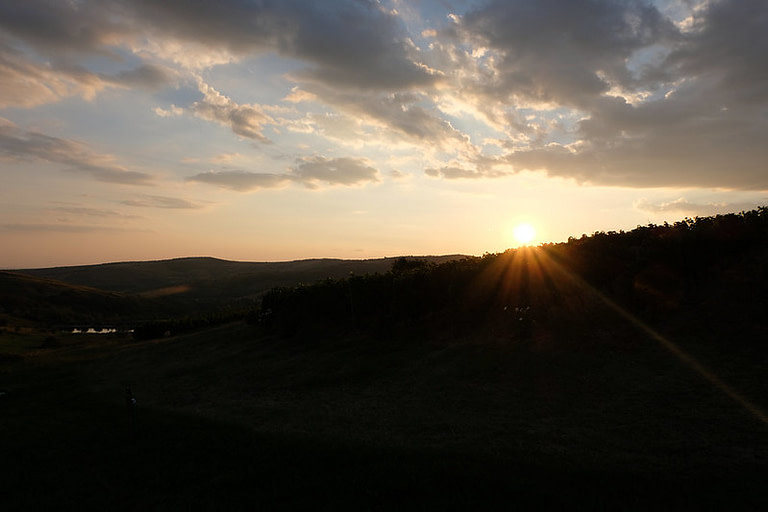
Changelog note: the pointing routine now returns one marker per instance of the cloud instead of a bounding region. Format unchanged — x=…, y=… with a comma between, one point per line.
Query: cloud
x=147, y=76
x=334, y=171
x=684, y=206
x=173, y=111
x=241, y=181
x=555, y=51
x=153, y=201
x=61, y=228
x=85, y=211
x=400, y=117
x=310, y=171
x=456, y=172
x=27, y=82
x=654, y=105
x=724, y=151
x=356, y=45
x=224, y=158
x=602, y=91
x=244, y=120
x=24, y=83
x=346, y=44
x=19, y=145
x=727, y=44
x=63, y=29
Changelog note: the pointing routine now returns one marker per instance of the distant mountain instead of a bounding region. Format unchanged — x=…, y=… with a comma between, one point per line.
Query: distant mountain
x=205, y=280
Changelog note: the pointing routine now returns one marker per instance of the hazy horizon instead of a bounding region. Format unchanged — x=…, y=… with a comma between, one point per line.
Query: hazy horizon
x=139, y=131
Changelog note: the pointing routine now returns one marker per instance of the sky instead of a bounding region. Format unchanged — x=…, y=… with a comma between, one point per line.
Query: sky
x=281, y=130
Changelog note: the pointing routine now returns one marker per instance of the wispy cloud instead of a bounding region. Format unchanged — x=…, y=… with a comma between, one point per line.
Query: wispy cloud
x=241, y=181
x=153, y=201
x=313, y=172
x=683, y=206
x=17, y=145
x=85, y=211
x=244, y=120
x=64, y=228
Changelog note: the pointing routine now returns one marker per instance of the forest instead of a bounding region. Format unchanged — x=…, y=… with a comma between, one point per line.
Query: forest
x=677, y=275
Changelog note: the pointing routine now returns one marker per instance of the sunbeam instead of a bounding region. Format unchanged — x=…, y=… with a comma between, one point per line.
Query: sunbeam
x=547, y=263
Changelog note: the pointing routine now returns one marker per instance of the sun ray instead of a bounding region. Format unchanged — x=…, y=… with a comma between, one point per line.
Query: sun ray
x=548, y=262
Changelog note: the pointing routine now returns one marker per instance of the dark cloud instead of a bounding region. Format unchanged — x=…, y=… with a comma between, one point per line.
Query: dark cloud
x=728, y=45
x=19, y=145
x=718, y=153
x=564, y=52
x=147, y=76
x=692, y=112
x=62, y=29
x=348, y=43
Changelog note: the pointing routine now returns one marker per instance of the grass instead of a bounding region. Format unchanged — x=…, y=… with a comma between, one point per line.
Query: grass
x=231, y=419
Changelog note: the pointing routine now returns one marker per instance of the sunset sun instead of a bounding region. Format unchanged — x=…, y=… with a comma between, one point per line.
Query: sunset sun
x=524, y=234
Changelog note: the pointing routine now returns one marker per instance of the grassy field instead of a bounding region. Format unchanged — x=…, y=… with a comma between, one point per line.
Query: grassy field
x=233, y=419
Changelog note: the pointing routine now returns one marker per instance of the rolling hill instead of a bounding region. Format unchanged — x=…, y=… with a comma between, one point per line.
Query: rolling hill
x=211, y=280
x=47, y=302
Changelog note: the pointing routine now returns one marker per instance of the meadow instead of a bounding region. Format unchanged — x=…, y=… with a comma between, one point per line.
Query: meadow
x=228, y=418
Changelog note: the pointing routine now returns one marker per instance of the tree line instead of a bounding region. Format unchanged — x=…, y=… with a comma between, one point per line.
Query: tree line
x=701, y=265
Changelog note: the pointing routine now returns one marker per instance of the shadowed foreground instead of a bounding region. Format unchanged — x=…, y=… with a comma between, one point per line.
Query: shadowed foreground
x=232, y=419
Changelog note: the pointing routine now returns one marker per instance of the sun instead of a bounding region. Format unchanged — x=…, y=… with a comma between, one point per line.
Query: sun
x=524, y=233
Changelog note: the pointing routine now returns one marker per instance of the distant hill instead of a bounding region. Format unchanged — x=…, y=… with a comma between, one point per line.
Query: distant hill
x=25, y=298
x=200, y=283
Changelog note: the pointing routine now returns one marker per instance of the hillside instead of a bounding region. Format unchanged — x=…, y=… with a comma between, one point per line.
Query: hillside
x=621, y=370
x=46, y=302
x=210, y=280
x=230, y=418
x=708, y=275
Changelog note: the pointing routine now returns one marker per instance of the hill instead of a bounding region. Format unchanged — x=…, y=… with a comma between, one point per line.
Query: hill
x=621, y=370
x=209, y=281
x=33, y=300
